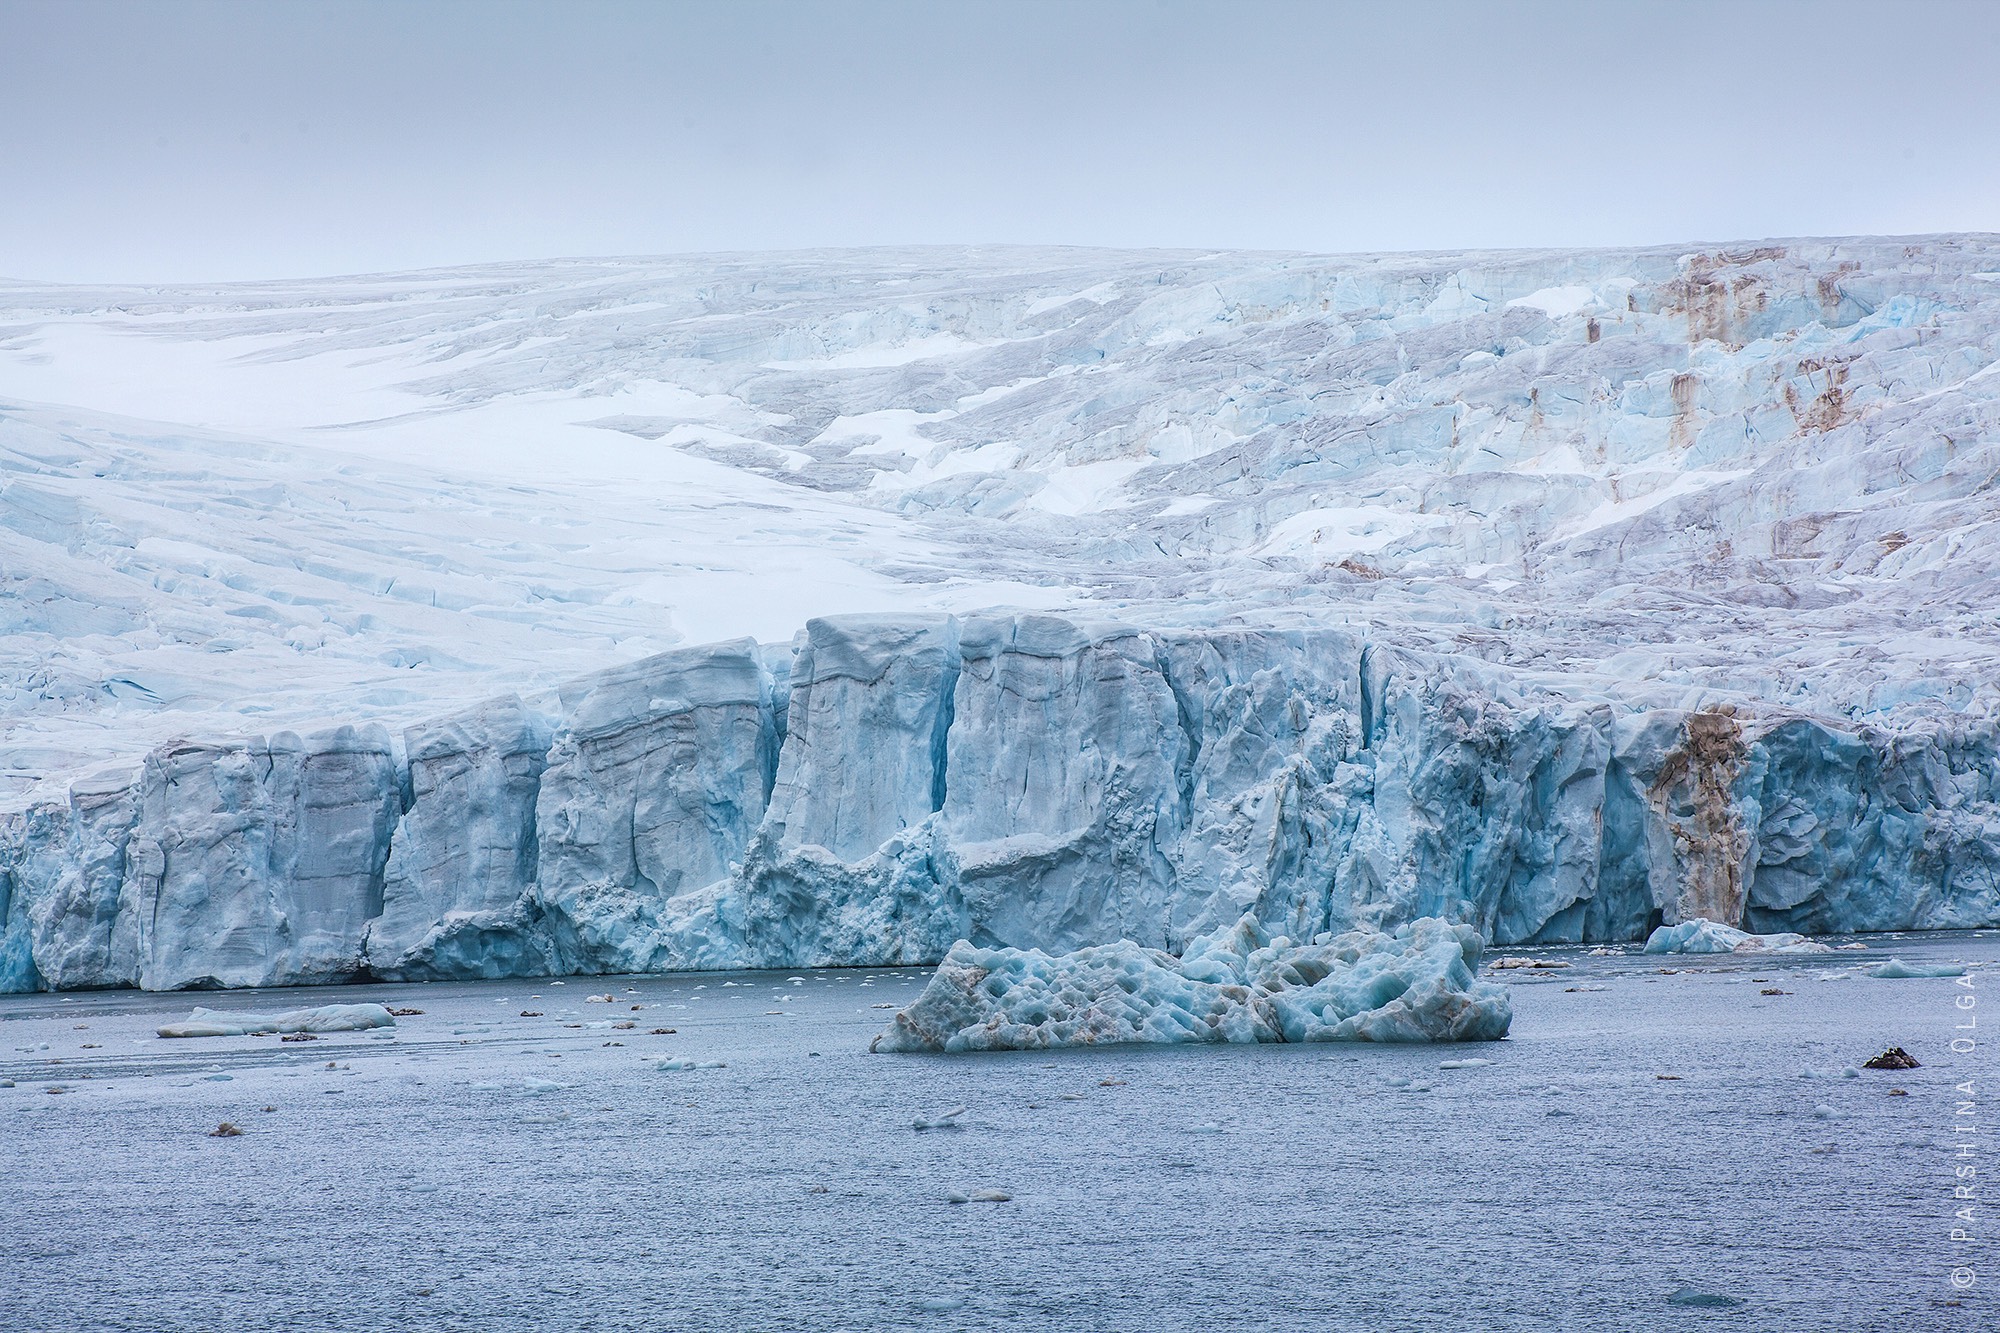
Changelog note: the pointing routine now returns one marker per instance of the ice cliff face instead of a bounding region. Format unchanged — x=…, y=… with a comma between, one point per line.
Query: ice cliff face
x=349, y=627
x=893, y=784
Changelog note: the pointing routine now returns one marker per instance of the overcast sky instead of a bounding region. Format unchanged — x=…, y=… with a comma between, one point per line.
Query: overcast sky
x=168, y=141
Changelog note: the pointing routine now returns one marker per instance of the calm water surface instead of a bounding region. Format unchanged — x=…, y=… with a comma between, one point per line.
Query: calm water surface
x=1641, y=1132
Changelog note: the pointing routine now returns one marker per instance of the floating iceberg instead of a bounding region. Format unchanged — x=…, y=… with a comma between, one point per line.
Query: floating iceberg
x=1704, y=936
x=1898, y=970
x=326, y=1018
x=1236, y=985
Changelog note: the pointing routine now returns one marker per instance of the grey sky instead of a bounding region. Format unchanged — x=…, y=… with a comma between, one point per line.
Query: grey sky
x=165, y=141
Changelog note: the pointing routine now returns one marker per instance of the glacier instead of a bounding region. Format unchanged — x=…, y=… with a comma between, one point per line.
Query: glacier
x=889, y=786
x=834, y=608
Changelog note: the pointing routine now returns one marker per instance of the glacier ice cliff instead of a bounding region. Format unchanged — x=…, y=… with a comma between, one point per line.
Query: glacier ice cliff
x=1236, y=985
x=355, y=627
x=888, y=785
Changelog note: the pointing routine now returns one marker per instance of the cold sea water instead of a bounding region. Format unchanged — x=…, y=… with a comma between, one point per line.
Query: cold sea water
x=1660, y=1144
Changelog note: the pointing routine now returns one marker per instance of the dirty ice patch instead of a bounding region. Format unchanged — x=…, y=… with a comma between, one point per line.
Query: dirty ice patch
x=1237, y=985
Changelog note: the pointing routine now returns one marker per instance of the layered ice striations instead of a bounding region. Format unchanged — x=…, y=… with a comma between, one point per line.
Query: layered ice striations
x=1237, y=985
x=891, y=785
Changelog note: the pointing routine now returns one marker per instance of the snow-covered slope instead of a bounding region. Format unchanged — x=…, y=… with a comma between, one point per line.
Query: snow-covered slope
x=1549, y=504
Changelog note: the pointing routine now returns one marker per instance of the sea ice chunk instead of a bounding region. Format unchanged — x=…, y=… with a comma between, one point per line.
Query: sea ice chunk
x=1704, y=936
x=1896, y=969
x=326, y=1018
x=1236, y=985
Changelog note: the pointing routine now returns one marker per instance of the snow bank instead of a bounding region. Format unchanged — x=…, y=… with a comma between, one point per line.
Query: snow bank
x=1237, y=985
x=1704, y=936
x=326, y=1018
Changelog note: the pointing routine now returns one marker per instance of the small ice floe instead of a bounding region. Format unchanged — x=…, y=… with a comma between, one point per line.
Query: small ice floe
x=225, y=1130
x=1701, y=935
x=1702, y=1300
x=1207, y=1127
x=537, y=1086
x=978, y=1196
x=1473, y=1063
x=1406, y=1085
x=674, y=1066
x=1514, y=962
x=1848, y=1071
x=1896, y=970
x=605, y=998
x=326, y=1018
x=941, y=1304
x=1583, y=990
x=1857, y=944
x=1602, y=952
x=947, y=1120
x=1825, y=1112
x=221, y=1078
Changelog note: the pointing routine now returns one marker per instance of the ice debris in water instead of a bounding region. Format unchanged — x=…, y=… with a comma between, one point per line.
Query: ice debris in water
x=1896, y=969
x=1236, y=985
x=326, y=1018
x=1698, y=1299
x=1701, y=935
x=949, y=1120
